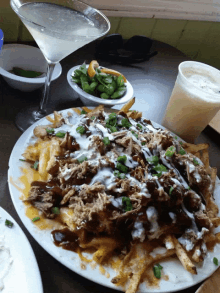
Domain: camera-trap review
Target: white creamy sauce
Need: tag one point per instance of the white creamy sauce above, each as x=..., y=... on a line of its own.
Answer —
x=158, y=251
x=152, y=216
x=5, y=261
x=138, y=231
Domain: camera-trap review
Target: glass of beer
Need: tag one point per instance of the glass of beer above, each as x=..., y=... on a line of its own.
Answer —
x=194, y=101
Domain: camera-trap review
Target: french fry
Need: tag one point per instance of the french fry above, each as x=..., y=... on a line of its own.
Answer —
x=87, y=109
x=43, y=160
x=183, y=257
x=54, y=150
x=192, y=148
x=168, y=241
x=77, y=110
x=127, y=106
x=205, y=158
x=50, y=119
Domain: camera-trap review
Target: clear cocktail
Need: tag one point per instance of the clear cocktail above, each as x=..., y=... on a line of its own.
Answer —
x=59, y=29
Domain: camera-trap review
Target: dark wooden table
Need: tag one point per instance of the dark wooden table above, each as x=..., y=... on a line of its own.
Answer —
x=152, y=81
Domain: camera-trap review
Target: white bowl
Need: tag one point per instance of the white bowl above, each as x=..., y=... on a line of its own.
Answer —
x=28, y=58
x=90, y=100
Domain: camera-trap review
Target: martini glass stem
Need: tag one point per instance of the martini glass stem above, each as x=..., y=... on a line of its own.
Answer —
x=44, y=100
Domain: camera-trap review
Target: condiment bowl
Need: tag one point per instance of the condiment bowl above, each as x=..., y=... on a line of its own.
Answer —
x=90, y=100
x=27, y=58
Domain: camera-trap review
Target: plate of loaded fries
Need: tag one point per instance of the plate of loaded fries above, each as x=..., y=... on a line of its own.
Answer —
x=118, y=199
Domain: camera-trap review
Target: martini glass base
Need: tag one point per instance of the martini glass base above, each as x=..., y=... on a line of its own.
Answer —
x=28, y=116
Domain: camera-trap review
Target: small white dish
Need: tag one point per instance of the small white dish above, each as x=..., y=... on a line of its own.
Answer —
x=22, y=275
x=28, y=58
x=90, y=100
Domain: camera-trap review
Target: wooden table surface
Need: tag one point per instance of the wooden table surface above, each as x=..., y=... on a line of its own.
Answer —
x=152, y=81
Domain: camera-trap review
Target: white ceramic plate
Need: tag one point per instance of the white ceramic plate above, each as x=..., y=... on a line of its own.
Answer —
x=178, y=277
x=23, y=275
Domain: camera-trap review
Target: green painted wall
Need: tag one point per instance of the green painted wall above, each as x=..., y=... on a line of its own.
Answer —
x=199, y=40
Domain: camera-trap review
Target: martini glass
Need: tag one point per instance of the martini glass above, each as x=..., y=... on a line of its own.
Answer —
x=59, y=27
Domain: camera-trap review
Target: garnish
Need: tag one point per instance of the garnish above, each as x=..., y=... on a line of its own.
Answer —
x=195, y=162
x=35, y=219
x=127, y=204
x=157, y=270
x=153, y=160
x=125, y=123
x=60, y=134
x=22, y=160
x=188, y=187
x=181, y=142
x=143, y=142
x=170, y=151
x=122, y=168
x=182, y=152
x=215, y=261
x=140, y=126
x=113, y=129
x=171, y=189
x=25, y=73
x=93, y=117
x=83, y=112
x=119, y=175
x=82, y=159
x=50, y=130
x=135, y=134
x=55, y=210
x=106, y=141
x=36, y=164
x=8, y=223
x=122, y=159
x=159, y=168
x=175, y=137
x=111, y=121
x=80, y=130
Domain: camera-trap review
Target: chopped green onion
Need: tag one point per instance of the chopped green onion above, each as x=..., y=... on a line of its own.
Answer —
x=188, y=187
x=157, y=271
x=125, y=123
x=55, y=210
x=127, y=204
x=135, y=134
x=8, y=223
x=36, y=164
x=143, y=142
x=22, y=160
x=80, y=130
x=93, y=117
x=83, y=112
x=122, y=168
x=122, y=159
x=82, y=159
x=182, y=152
x=119, y=175
x=60, y=134
x=50, y=130
x=35, y=219
x=160, y=168
x=181, y=142
x=158, y=174
x=175, y=137
x=195, y=162
x=171, y=189
x=140, y=126
x=113, y=129
x=170, y=151
x=215, y=261
x=106, y=141
x=153, y=160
